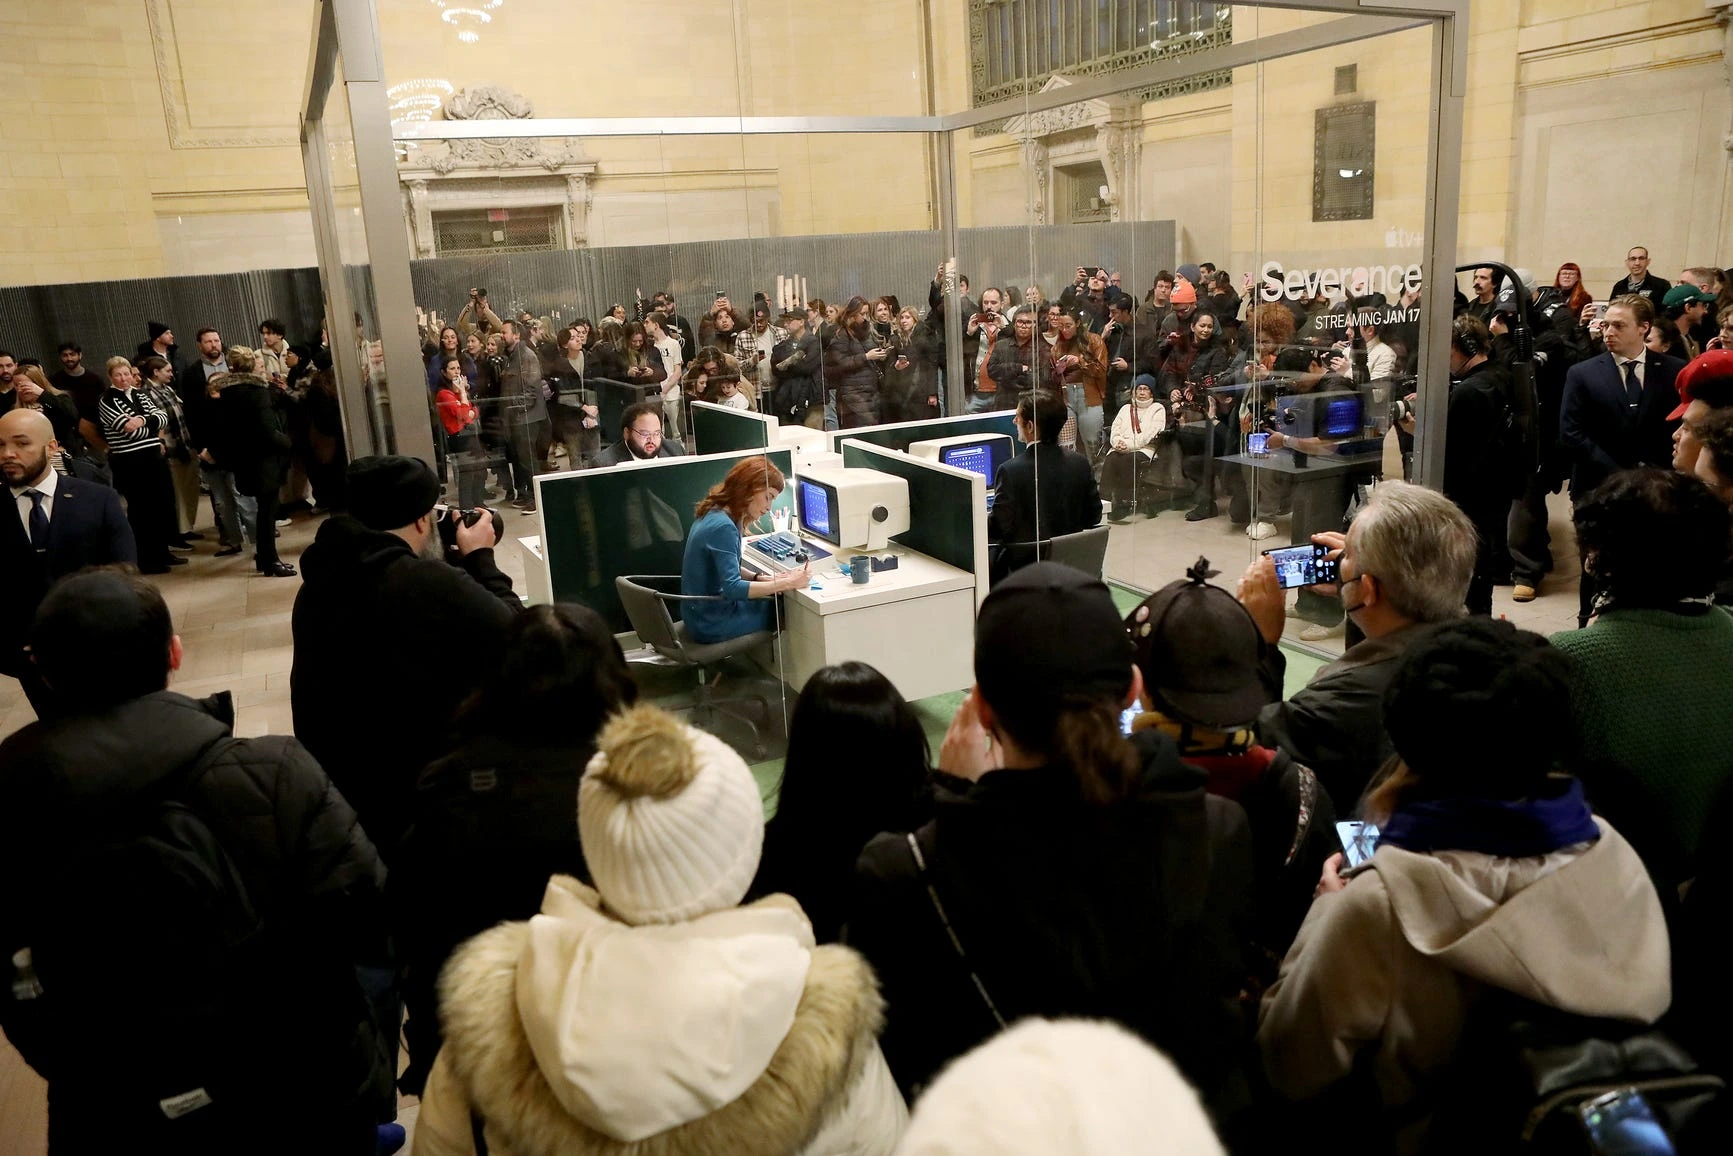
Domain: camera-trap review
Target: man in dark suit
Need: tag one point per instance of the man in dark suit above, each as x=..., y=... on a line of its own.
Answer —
x=1639, y=280
x=1041, y=494
x=59, y=526
x=1618, y=407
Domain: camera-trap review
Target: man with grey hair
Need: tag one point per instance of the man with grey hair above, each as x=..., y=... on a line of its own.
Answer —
x=1406, y=562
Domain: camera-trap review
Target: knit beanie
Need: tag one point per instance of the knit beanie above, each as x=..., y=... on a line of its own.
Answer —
x=157, y=329
x=1183, y=293
x=1192, y=273
x=1073, y=1086
x=388, y=491
x=670, y=819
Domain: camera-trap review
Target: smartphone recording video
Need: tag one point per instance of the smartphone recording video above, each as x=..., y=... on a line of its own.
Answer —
x=1304, y=565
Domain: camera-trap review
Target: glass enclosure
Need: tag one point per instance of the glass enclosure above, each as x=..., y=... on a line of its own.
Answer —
x=1197, y=237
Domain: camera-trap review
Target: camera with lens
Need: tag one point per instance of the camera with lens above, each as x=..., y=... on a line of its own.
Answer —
x=447, y=518
x=1401, y=410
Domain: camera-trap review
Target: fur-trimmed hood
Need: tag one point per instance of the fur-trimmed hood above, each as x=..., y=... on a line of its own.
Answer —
x=222, y=381
x=577, y=1034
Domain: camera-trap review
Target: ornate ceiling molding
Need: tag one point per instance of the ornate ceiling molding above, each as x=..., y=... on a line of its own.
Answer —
x=182, y=133
x=473, y=157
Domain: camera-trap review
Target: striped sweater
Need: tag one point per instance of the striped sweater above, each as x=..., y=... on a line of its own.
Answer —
x=116, y=408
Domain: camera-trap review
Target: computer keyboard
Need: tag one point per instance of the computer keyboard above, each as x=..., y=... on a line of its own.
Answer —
x=780, y=550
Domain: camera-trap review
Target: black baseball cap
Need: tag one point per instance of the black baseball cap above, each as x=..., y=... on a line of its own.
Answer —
x=1045, y=630
x=1200, y=652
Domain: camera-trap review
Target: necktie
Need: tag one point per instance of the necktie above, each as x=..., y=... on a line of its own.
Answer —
x=38, y=521
x=1633, y=388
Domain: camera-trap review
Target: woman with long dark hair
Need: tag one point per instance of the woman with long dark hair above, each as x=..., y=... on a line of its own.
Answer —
x=851, y=366
x=492, y=820
x=712, y=570
x=856, y=765
x=1067, y=871
x=449, y=346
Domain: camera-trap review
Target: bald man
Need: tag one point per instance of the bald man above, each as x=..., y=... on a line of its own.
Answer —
x=60, y=525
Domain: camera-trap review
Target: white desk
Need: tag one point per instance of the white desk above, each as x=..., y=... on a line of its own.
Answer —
x=538, y=587
x=915, y=624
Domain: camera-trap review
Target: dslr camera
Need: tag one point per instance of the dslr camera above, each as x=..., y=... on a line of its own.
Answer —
x=447, y=518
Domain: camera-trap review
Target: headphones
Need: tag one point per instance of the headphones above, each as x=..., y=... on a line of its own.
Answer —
x=1464, y=337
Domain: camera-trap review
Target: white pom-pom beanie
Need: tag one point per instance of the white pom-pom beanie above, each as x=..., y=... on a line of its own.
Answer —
x=670, y=818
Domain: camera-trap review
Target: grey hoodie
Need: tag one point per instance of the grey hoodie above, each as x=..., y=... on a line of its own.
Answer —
x=1395, y=959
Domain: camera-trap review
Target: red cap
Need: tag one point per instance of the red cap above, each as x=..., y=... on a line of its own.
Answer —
x=1706, y=367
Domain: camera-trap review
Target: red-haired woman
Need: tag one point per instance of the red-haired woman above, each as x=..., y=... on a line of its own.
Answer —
x=712, y=565
x=1567, y=287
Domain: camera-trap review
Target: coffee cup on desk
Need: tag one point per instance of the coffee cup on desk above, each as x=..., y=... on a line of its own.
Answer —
x=860, y=568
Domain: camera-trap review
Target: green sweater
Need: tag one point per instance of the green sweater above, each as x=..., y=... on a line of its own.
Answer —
x=1650, y=697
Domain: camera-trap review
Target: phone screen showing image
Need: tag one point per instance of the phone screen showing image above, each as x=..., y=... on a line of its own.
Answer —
x=1128, y=717
x=1304, y=565
x=1359, y=840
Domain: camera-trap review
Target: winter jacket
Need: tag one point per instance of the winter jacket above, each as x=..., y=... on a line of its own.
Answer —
x=854, y=380
x=520, y=386
x=1151, y=420
x=250, y=437
x=313, y=1054
x=386, y=646
x=1335, y=723
x=1091, y=371
x=798, y=367
x=488, y=824
x=1136, y=911
x=1394, y=961
x=1013, y=368
x=1648, y=690
x=577, y=1035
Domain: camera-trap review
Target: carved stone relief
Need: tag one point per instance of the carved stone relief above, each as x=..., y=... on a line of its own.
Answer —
x=468, y=174
x=1105, y=130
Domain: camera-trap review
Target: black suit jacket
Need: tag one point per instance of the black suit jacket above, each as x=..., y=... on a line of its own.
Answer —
x=86, y=528
x=1040, y=494
x=1599, y=429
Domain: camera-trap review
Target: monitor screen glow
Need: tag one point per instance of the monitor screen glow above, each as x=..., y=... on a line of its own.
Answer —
x=815, y=510
x=977, y=458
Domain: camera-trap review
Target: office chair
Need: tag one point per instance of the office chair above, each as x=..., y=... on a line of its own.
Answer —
x=647, y=599
x=1086, y=550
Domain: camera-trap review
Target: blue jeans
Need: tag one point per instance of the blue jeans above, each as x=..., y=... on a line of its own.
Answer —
x=233, y=511
x=981, y=403
x=1089, y=419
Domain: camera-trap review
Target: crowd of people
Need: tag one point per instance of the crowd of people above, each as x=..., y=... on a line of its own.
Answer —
x=1145, y=895
x=258, y=429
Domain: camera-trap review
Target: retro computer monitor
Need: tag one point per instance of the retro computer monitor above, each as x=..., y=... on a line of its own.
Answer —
x=978, y=453
x=1333, y=414
x=852, y=508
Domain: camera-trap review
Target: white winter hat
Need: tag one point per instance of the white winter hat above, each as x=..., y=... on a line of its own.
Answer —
x=1073, y=1086
x=670, y=818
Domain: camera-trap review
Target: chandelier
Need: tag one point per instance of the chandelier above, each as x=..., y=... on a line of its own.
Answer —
x=469, y=17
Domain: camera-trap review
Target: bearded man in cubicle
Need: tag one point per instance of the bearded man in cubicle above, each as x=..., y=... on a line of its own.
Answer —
x=641, y=438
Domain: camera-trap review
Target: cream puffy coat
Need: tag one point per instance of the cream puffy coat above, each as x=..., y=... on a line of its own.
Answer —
x=1394, y=960
x=577, y=1034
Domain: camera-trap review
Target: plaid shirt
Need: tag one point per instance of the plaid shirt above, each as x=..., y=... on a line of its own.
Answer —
x=746, y=343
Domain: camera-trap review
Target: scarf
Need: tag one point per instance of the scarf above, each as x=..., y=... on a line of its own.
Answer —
x=1510, y=829
x=1137, y=412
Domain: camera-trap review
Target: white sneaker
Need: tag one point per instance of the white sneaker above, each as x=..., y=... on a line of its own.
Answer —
x=1316, y=633
x=285, y=522
x=1258, y=531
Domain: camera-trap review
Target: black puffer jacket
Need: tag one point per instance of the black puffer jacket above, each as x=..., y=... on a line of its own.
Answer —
x=1138, y=912
x=489, y=824
x=386, y=647
x=852, y=377
x=315, y=1064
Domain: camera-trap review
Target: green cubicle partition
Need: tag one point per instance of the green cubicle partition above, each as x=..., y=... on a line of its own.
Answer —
x=947, y=507
x=904, y=434
x=613, y=398
x=717, y=429
x=629, y=519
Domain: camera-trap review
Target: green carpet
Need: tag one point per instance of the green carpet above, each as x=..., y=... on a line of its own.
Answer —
x=936, y=712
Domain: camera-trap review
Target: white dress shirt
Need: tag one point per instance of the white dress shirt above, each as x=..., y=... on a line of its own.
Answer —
x=21, y=499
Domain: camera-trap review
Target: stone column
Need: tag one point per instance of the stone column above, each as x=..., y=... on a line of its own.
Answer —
x=421, y=219
x=1036, y=176
x=578, y=197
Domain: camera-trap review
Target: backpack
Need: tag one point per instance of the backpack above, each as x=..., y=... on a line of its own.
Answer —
x=1523, y=1071
x=147, y=952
